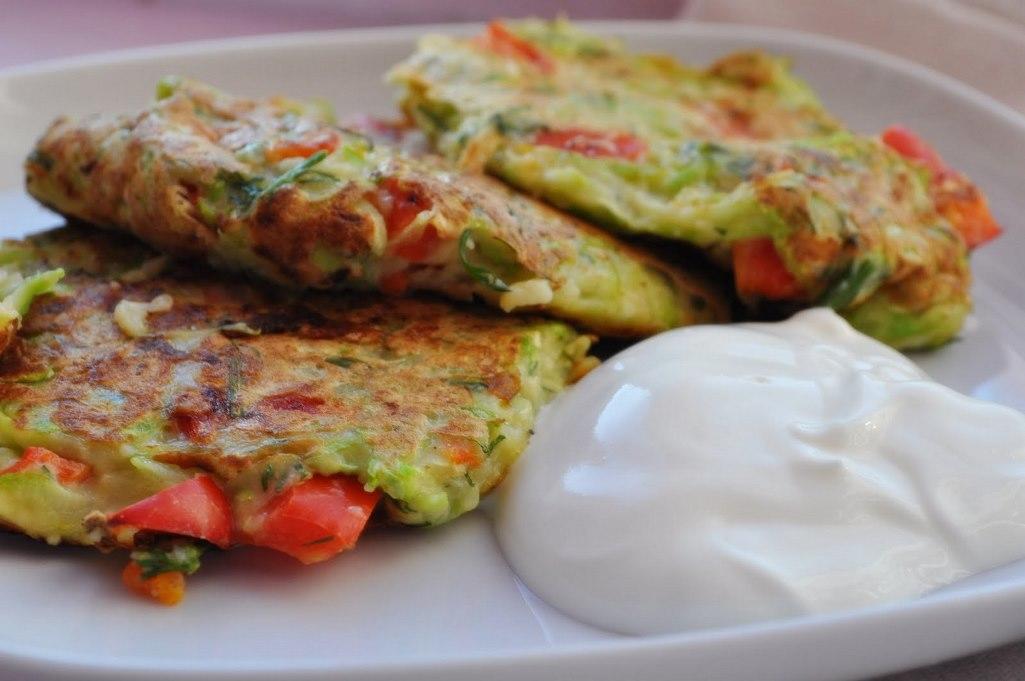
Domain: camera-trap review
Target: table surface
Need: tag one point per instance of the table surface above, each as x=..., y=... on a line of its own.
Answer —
x=34, y=30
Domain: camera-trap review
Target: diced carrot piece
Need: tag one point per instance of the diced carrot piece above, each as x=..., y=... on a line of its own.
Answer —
x=166, y=588
x=461, y=450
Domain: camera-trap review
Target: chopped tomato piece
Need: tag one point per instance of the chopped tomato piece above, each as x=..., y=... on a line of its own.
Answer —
x=315, y=519
x=910, y=145
x=501, y=40
x=399, y=204
x=193, y=508
x=956, y=197
x=324, y=140
x=759, y=271
x=421, y=248
x=167, y=588
x=65, y=470
x=593, y=143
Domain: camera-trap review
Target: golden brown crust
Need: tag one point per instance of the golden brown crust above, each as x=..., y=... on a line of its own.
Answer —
x=75, y=336
x=409, y=394
x=198, y=175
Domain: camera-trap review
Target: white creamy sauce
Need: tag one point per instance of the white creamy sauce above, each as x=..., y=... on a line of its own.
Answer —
x=720, y=475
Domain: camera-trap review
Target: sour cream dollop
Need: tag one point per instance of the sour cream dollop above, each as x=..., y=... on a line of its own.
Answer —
x=720, y=475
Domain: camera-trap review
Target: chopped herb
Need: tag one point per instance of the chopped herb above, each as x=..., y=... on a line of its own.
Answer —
x=511, y=122
x=294, y=173
x=480, y=412
x=481, y=274
x=859, y=276
x=437, y=119
x=298, y=470
x=266, y=477
x=469, y=480
x=490, y=447
x=502, y=123
x=403, y=506
x=344, y=362
x=473, y=385
x=241, y=191
x=183, y=557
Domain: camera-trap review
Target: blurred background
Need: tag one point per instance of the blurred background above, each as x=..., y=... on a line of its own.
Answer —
x=981, y=42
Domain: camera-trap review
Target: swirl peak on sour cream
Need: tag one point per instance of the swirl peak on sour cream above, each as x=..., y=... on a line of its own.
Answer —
x=719, y=475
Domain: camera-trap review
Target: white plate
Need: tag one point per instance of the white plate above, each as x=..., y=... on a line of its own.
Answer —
x=443, y=604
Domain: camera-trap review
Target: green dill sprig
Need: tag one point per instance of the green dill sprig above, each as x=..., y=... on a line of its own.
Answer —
x=343, y=361
x=471, y=384
x=490, y=446
x=296, y=173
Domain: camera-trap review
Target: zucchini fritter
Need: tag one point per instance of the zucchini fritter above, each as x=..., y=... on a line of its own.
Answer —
x=140, y=373
x=739, y=159
x=272, y=188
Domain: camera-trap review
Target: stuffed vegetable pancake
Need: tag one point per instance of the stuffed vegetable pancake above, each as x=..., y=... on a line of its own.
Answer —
x=272, y=188
x=739, y=159
x=143, y=400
